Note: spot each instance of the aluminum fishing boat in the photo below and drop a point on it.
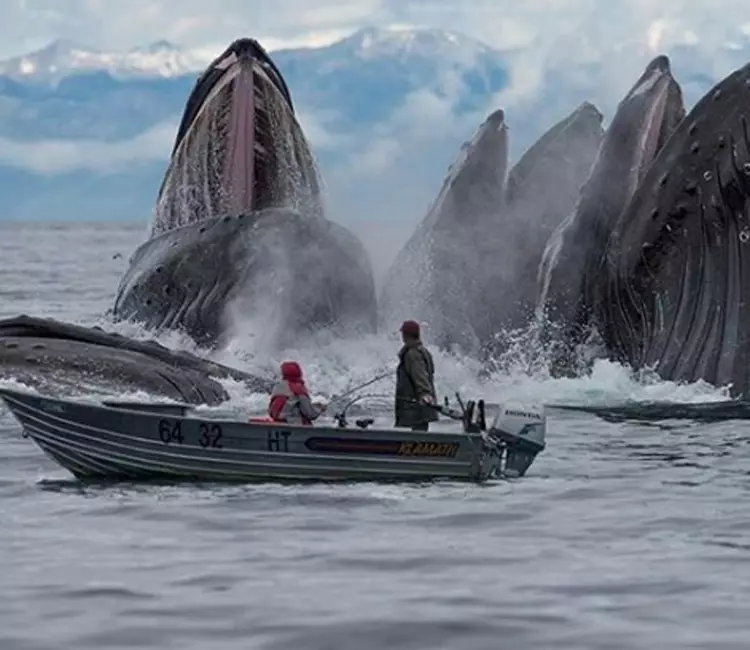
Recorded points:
(131, 441)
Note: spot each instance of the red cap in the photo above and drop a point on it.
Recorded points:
(291, 371)
(410, 327)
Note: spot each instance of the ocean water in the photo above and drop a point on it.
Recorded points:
(621, 535)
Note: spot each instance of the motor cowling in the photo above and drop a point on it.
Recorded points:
(522, 429)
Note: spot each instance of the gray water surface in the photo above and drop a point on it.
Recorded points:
(621, 535)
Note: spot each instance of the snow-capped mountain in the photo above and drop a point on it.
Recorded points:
(66, 105)
(64, 58)
(405, 43)
(71, 92)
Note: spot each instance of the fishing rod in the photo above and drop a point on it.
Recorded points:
(361, 386)
(358, 387)
(340, 415)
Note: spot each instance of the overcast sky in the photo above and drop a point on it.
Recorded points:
(588, 25)
(623, 34)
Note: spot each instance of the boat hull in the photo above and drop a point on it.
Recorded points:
(133, 442)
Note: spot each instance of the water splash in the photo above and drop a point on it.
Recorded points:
(333, 366)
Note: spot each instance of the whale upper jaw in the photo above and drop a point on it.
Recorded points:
(244, 51)
(239, 147)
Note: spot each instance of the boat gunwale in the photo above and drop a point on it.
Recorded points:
(192, 417)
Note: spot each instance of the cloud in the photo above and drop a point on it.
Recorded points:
(391, 173)
(320, 130)
(121, 24)
(426, 117)
(572, 29)
(55, 156)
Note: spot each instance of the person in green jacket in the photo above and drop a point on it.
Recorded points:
(415, 377)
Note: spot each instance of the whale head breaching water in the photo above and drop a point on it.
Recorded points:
(468, 270)
(239, 232)
(434, 278)
(542, 189)
(238, 148)
(570, 274)
(677, 296)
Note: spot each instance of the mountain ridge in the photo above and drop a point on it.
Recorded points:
(63, 57)
(163, 59)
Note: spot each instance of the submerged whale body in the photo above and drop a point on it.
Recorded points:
(677, 293)
(469, 269)
(570, 275)
(49, 354)
(239, 232)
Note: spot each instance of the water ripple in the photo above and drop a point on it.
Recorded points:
(622, 536)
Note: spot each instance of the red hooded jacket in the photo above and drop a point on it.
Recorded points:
(291, 375)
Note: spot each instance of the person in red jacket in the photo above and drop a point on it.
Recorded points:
(290, 401)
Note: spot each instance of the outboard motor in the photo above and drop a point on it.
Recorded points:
(522, 429)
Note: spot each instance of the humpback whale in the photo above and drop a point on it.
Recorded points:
(239, 231)
(469, 269)
(49, 354)
(570, 275)
(638, 233)
(434, 277)
(677, 292)
(542, 189)
(238, 222)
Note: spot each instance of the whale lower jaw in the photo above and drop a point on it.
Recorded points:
(678, 268)
(304, 274)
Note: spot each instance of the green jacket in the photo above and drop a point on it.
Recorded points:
(415, 377)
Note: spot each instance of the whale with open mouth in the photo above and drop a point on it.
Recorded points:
(677, 291)
(239, 232)
(571, 276)
(469, 269)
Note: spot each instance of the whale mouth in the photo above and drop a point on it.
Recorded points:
(228, 130)
(665, 110)
(675, 294)
(239, 148)
(652, 136)
(470, 168)
(225, 65)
